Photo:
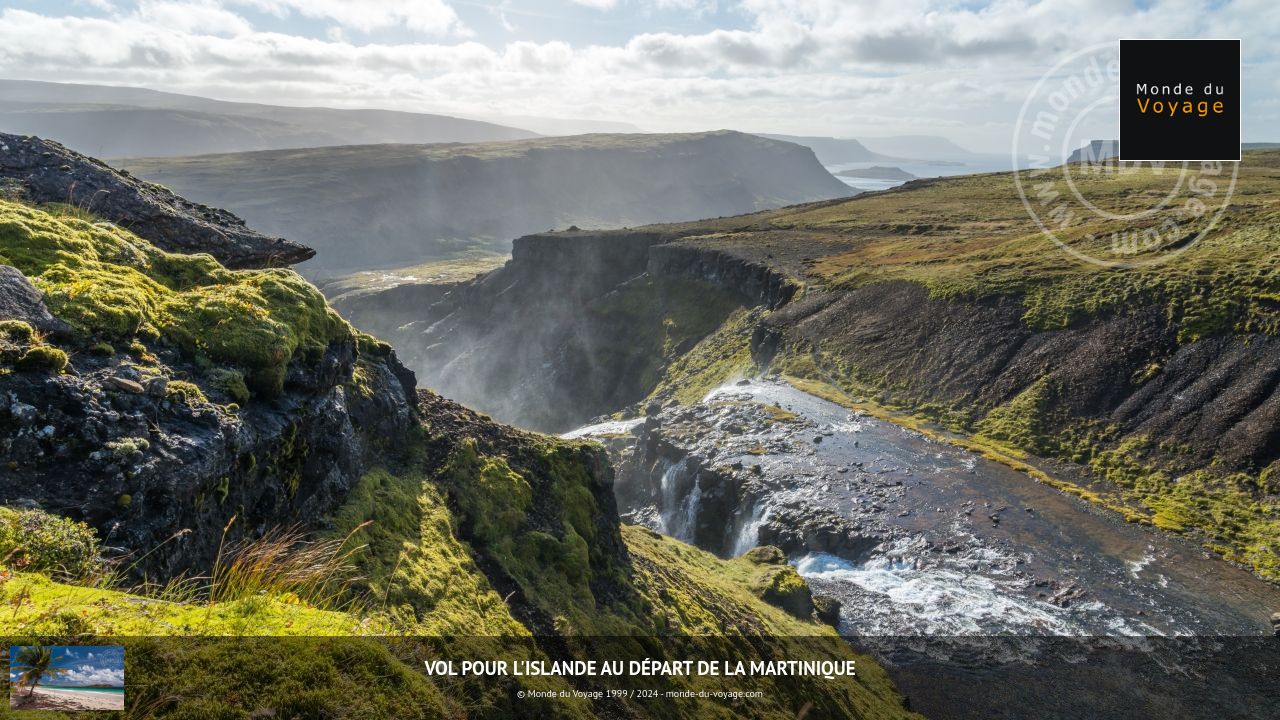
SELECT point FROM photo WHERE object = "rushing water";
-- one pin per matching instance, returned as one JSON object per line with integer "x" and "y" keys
{"x": 969, "y": 546}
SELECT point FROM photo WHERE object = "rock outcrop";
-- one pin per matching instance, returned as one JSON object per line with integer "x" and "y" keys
{"x": 20, "y": 300}
{"x": 42, "y": 171}
{"x": 155, "y": 395}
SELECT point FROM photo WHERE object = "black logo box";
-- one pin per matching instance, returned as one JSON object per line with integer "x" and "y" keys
{"x": 1180, "y": 65}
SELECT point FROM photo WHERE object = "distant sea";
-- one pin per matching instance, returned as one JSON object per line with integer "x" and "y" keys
{"x": 109, "y": 691}
{"x": 921, "y": 169}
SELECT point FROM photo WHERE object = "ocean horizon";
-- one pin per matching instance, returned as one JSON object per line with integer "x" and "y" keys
{"x": 80, "y": 689}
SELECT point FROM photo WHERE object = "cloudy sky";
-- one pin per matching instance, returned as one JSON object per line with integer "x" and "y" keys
{"x": 826, "y": 67}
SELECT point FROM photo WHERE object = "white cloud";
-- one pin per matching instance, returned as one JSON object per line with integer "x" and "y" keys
{"x": 801, "y": 66}
{"x": 90, "y": 675}
{"x": 597, "y": 4}
{"x": 427, "y": 16}
{"x": 192, "y": 16}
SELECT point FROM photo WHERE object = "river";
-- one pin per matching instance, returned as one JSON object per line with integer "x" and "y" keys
{"x": 918, "y": 538}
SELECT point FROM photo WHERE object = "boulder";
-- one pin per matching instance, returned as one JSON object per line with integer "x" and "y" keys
{"x": 20, "y": 300}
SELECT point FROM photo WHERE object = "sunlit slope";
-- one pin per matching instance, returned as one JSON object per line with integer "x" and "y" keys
{"x": 1155, "y": 385}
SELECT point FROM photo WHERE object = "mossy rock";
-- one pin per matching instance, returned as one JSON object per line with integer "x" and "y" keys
{"x": 42, "y": 358}
{"x": 112, "y": 286}
{"x": 784, "y": 588}
{"x": 766, "y": 555}
{"x": 184, "y": 391}
{"x": 230, "y": 382}
{"x": 370, "y": 345}
{"x": 827, "y": 609}
{"x": 17, "y": 331}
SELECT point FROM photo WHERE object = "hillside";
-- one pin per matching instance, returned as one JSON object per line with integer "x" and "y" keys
{"x": 831, "y": 151}
{"x": 1150, "y": 391}
{"x": 197, "y": 455}
{"x": 365, "y": 207}
{"x": 108, "y": 121}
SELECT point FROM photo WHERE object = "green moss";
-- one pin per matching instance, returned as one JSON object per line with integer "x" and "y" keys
{"x": 18, "y": 331}
{"x": 370, "y": 345}
{"x": 1023, "y": 420}
{"x": 719, "y": 357}
{"x": 115, "y": 613}
{"x": 222, "y": 489}
{"x": 783, "y": 587}
{"x": 37, "y": 541}
{"x": 425, "y": 581}
{"x": 414, "y": 565}
{"x": 102, "y": 349}
{"x": 490, "y": 496}
{"x": 42, "y": 358}
{"x": 128, "y": 447}
{"x": 282, "y": 678}
{"x": 360, "y": 384}
{"x": 111, "y": 285}
{"x": 230, "y": 382}
{"x": 185, "y": 392}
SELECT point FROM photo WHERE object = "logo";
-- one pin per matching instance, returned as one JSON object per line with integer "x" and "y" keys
{"x": 1096, "y": 207}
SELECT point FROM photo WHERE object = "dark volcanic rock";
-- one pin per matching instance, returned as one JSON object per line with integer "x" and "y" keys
{"x": 1214, "y": 398}
{"x": 142, "y": 466}
{"x": 20, "y": 300}
{"x": 48, "y": 172}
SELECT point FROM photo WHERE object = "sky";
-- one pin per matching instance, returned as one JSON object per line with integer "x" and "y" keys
{"x": 957, "y": 68}
{"x": 85, "y": 665}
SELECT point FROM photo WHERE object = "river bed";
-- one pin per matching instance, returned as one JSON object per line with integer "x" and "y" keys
{"x": 933, "y": 539}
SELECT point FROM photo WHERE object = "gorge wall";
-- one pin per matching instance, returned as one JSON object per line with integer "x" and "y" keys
{"x": 379, "y": 206}
{"x": 1124, "y": 405}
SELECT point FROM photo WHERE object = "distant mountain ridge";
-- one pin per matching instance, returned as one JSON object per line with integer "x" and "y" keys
{"x": 379, "y": 206}
{"x": 830, "y": 150}
{"x": 107, "y": 121}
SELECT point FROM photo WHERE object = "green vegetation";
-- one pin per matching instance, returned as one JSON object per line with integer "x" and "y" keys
{"x": 39, "y": 542}
{"x": 968, "y": 240}
{"x": 528, "y": 516}
{"x": 42, "y": 358}
{"x": 186, "y": 392}
{"x": 481, "y": 531}
{"x": 418, "y": 576}
{"x": 414, "y": 567}
{"x": 113, "y": 286}
{"x": 716, "y": 359}
{"x": 17, "y": 332}
{"x": 229, "y": 382}
{"x": 650, "y": 324}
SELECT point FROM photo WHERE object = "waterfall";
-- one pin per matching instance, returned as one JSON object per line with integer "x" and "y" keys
{"x": 749, "y": 534}
{"x": 670, "y": 491}
{"x": 689, "y": 526}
